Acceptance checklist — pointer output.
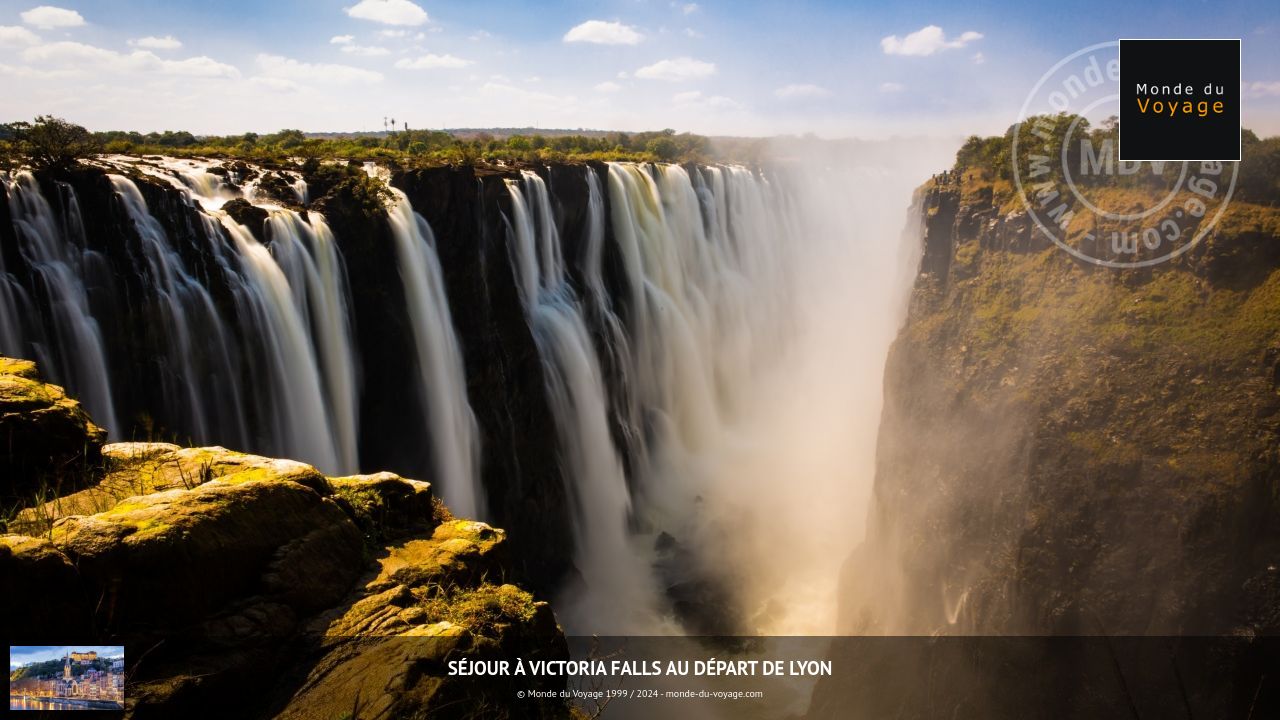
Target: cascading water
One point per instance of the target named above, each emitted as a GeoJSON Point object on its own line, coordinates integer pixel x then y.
{"type": "Point", "coordinates": [195, 380]}
{"type": "Point", "coordinates": [297, 297]}
{"type": "Point", "coordinates": [761, 307]}
{"type": "Point", "coordinates": [617, 591]}
{"type": "Point", "coordinates": [55, 252]}
{"type": "Point", "coordinates": [718, 385]}
{"type": "Point", "coordinates": [441, 381]}
{"type": "Point", "coordinates": [300, 421]}
{"type": "Point", "coordinates": [309, 258]}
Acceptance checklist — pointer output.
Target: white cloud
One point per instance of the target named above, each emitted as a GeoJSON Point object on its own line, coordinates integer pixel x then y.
{"type": "Point", "coordinates": [603, 32]}
{"type": "Point", "coordinates": [890, 88]}
{"type": "Point", "coordinates": [78, 56]}
{"type": "Point", "coordinates": [389, 12]}
{"type": "Point", "coordinates": [520, 96]}
{"type": "Point", "coordinates": [800, 91]}
{"type": "Point", "coordinates": [715, 102]}
{"type": "Point", "coordinates": [677, 70]}
{"type": "Point", "coordinates": [431, 61]}
{"type": "Point", "coordinates": [47, 17]}
{"type": "Point", "coordinates": [365, 50]}
{"type": "Point", "coordinates": [168, 42]}
{"type": "Point", "coordinates": [690, 32]}
{"type": "Point", "coordinates": [275, 83]}
{"type": "Point", "coordinates": [199, 66]}
{"type": "Point", "coordinates": [689, 8]}
{"type": "Point", "coordinates": [14, 35]}
{"type": "Point", "coordinates": [479, 35]}
{"type": "Point", "coordinates": [1259, 89]}
{"type": "Point", "coordinates": [926, 41]}
{"type": "Point", "coordinates": [608, 86]}
{"type": "Point", "coordinates": [979, 58]}
{"type": "Point", "coordinates": [278, 66]}
{"type": "Point", "coordinates": [341, 39]}
{"type": "Point", "coordinates": [393, 33]}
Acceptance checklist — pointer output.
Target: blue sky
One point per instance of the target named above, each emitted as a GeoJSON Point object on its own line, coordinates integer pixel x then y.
{"type": "Point", "coordinates": [861, 69]}
{"type": "Point", "coordinates": [25, 654]}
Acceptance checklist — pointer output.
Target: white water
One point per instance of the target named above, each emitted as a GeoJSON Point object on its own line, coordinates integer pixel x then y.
{"type": "Point", "coordinates": [617, 593]}
{"type": "Point", "coordinates": [748, 349]}
{"type": "Point", "coordinates": [309, 258]}
{"type": "Point", "coordinates": [441, 381]}
{"type": "Point", "coordinates": [297, 294]}
{"type": "Point", "coordinates": [300, 418]}
{"type": "Point", "coordinates": [55, 251]}
{"type": "Point", "coordinates": [762, 309]}
{"type": "Point", "coordinates": [187, 317]}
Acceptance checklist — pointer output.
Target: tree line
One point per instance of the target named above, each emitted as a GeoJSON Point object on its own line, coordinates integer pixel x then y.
{"type": "Point", "coordinates": [50, 142]}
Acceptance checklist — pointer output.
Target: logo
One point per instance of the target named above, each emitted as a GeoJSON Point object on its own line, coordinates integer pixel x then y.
{"type": "Point", "coordinates": [1098, 208]}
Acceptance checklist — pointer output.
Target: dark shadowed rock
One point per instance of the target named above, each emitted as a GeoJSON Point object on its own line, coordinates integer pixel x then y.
{"type": "Point", "coordinates": [43, 592]}
{"type": "Point", "coordinates": [48, 444]}
{"type": "Point", "coordinates": [252, 217]}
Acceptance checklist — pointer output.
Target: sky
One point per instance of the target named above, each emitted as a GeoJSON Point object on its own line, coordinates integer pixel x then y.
{"type": "Point", "coordinates": [20, 655]}
{"type": "Point", "coordinates": [837, 69]}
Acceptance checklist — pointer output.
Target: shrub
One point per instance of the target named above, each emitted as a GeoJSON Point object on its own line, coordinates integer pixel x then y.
{"type": "Point", "coordinates": [54, 143]}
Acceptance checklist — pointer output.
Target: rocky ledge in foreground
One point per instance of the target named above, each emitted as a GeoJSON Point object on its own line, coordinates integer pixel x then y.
{"type": "Point", "coordinates": [250, 587]}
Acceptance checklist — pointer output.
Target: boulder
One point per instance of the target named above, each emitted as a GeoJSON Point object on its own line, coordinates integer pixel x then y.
{"type": "Point", "coordinates": [47, 441]}
{"type": "Point", "coordinates": [256, 587]}
{"type": "Point", "coordinates": [252, 217]}
{"type": "Point", "coordinates": [46, 591]}
{"type": "Point", "coordinates": [187, 553]}
{"type": "Point", "coordinates": [386, 505]}
{"type": "Point", "coordinates": [139, 468]}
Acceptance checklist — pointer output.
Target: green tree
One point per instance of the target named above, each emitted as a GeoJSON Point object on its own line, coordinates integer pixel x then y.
{"type": "Point", "coordinates": [54, 143]}
{"type": "Point", "coordinates": [664, 148]}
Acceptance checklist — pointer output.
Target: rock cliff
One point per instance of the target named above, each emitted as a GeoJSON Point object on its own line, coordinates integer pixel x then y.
{"type": "Point", "coordinates": [246, 586]}
{"type": "Point", "coordinates": [1072, 451]}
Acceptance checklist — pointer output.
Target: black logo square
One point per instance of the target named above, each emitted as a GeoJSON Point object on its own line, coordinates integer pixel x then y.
{"type": "Point", "coordinates": [1179, 100]}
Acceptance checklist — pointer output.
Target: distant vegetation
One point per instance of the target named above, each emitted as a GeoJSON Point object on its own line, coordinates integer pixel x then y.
{"type": "Point", "coordinates": [52, 142]}
{"type": "Point", "coordinates": [990, 159]}
{"type": "Point", "coordinates": [53, 668]}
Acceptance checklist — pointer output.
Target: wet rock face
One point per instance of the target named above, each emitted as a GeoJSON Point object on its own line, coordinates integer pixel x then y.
{"type": "Point", "coordinates": [48, 444]}
{"type": "Point", "coordinates": [505, 381]}
{"type": "Point", "coordinates": [252, 217]}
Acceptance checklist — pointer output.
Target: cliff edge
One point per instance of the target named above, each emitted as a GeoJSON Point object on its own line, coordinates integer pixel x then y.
{"type": "Point", "coordinates": [245, 586]}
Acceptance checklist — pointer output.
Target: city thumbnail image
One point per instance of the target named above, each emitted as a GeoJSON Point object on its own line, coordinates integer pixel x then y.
{"type": "Point", "coordinates": [62, 677]}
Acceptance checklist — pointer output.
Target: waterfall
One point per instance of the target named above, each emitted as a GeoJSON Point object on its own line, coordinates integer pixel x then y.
{"type": "Point", "coordinates": [309, 258]}
{"type": "Point", "coordinates": [298, 407]}
{"type": "Point", "coordinates": [296, 297]}
{"type": "Point", "coordinates": [712, 347]}
{"type": "Point", "coordinates": [617, 592]}
{"type": "Point", "coordinates": [56, 253]}
{"type": "Point", "coordinates": [441, 381]}
{"type": "Point", "coordinates": [198, 374]}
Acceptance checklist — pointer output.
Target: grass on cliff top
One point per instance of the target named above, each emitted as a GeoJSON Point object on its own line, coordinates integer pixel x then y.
{"type": "Point", "coordinates": [1013, 298]}
{"type": "Point", "coordinates": [482, 610]}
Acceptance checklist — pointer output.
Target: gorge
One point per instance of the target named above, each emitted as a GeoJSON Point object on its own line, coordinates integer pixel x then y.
{"type": "Point", "coordinates": [664, 383]}
{"type": "Point", "coordinates": [584, 354]}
